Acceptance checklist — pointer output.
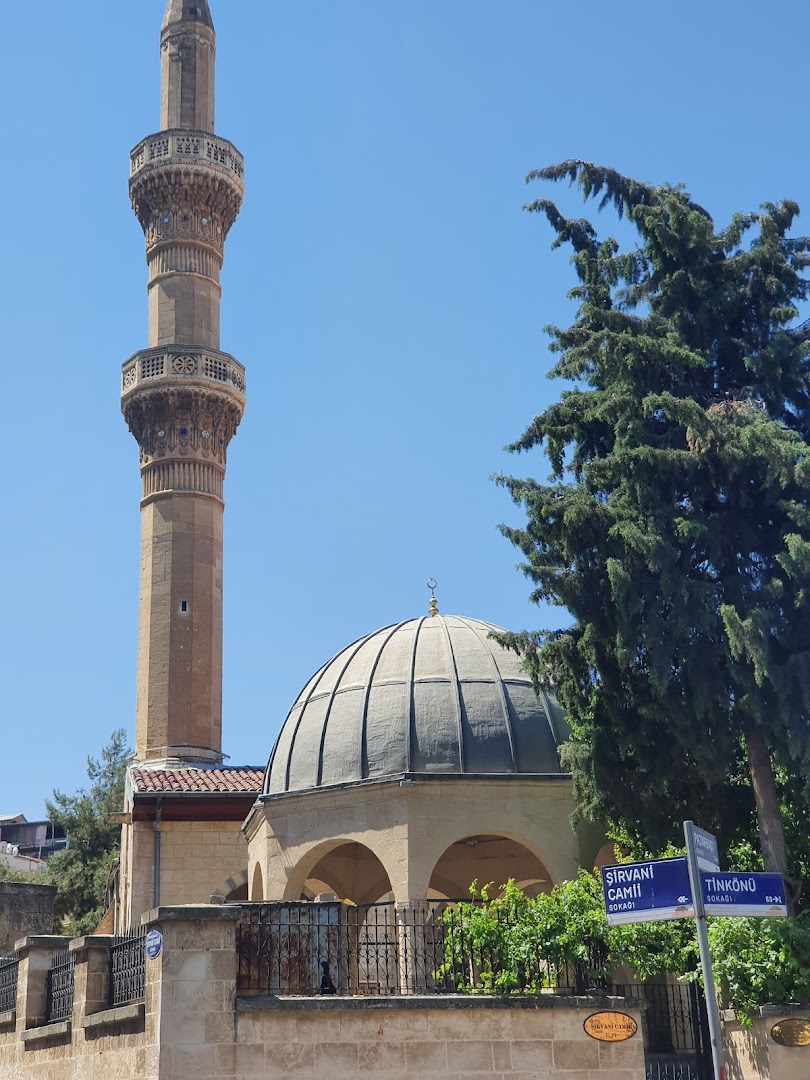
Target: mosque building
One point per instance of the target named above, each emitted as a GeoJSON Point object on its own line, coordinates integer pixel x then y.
{"type": "Point", "coordinates": [291, 920]}
{"type": "Point", "coordinates": [415, 761]}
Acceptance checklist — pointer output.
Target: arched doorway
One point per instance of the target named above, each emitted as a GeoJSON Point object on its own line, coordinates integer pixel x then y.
{"type": "Point", "coordinates": [486, 859]}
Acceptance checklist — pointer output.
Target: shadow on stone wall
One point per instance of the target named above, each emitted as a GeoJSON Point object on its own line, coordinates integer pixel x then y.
{"type": "Point", "coordinates": [24, 909]}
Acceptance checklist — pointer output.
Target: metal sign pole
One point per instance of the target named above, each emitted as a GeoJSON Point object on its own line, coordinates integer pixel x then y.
{"type": "Point", "coordinates": [705, 956]}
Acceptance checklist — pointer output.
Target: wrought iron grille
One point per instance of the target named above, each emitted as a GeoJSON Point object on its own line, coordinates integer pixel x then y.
{"type": "Point", "coordinates": [9, 968]}
{"type": "Point", "coordinates": [426, 948]}
{"type": "Point", "coordinates": [60, 986]}
{"type": "Point", "coordinates": [128, 967]}
{"type": "Point", "coordinates": [677, 1045]}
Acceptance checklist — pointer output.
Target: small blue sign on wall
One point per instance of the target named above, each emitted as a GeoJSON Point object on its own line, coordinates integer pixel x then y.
{"type": "Point", "coordinates": [647, 891]}
{"type": "Point", "coordinates": [154, 943]}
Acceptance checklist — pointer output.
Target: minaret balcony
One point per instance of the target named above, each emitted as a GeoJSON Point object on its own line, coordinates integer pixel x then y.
{"type": "Point", "coordinates": [183, 367]}
{"type": "Point", "coordinates": [183, 147]}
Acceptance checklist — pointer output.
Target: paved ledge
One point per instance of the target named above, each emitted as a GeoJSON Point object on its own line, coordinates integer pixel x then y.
{"type": "Point", "coordinates": [269, 1003]}
{"type": "Point", "coordinates": [187, 912]}
{"type": "Point", "coordinates": [123, 1014]}
{"type": "Point", "coordinates": [783, 1010]}
{"type": "Point", "coordinates": [7, 1019]}
{"type": "Point", "coordinates": [59, 1030]}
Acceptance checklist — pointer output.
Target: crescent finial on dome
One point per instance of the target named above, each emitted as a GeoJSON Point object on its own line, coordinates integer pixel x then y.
{"type": "Point", "coordinates": [434, 604]}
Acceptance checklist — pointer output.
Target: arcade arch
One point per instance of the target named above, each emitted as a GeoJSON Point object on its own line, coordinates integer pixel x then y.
{"type": "Point", "coordinates": [348, 870]}
{"type": "Point", "coordinates": [487, 858]}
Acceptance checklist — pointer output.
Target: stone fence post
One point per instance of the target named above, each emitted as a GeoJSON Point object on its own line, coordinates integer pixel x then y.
{"type": "Point", "coordinates": [91, 978]}
{"type": "Point", "coordinates": [32, 980]}
{"type": "Point", "coordinates": [191, 988]}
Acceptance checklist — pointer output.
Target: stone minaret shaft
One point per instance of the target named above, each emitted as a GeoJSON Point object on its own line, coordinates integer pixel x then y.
{"type": "Point", "coordinates": [183, 399]}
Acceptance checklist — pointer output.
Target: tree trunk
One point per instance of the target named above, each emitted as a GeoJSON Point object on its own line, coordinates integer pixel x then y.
{"type": "Point", "coordinates": [769, 815]}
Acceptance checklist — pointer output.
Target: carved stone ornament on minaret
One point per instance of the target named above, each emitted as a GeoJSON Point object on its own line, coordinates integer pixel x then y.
{"type": "Point", "coordinates": [183, 398]}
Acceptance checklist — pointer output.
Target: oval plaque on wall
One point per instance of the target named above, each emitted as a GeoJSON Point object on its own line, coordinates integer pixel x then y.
{"type": "Point", "coordinates": [610, 1026]}
{"type": "Point", "coordinates": [791, 1032]}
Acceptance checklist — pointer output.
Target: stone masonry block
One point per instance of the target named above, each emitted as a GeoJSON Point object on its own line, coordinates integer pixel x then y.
{"type": "Point", "coordinates": [532, 1055]}
{"type": "Point", "coordinates": [536, 1024]}
{"type": "Point", "coordinates": [407, 1026]}
{"type": "Point", "coordinates": [502, 1057]}
{"type": "Point", "coordinates": [291, 1059]}
{"type": "Point", "coordinates": [336, 1059]}
{"type": "Point", "coordinates": [576, 1054]}
{"type": "Point", "coordinates": [426, 1057]}
{"type": "Point", "coordinates": [320, 1028]}
{"type": "Point", "coordinates": [625, 1055]}
{"type": "Point", "coordinates": [619, 1074]}
{"type": "Point", "coordinates": [381, 1059]}
{"type": "Point", "coordinates": [470, 1055]}
{"type": "Point", "coordinates": [459, 1023]}
{"type": "Point", "coordinates": [251, 1061]}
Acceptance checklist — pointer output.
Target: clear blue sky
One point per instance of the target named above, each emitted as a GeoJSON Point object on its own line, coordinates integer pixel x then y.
{"type": "Point", "coordinates": [381, 285]}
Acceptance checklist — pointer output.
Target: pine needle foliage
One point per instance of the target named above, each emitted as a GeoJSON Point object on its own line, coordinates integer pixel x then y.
{"type": "Point", "coordinates": [82, 870]}
{"type": "Point", "coordinates": [674, 526]}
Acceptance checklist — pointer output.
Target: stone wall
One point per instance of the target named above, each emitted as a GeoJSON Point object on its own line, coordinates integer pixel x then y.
{"type": "Point", "coordinates": [24, 909]}
{"type": "Point", "coordinates": [752, 1054]}
{"type": "Point", "coordinates": [436, 1038]}
{"type": "Point", "coordinates": [95, 1043]}
{"type": "Point", "coordinates": [192, 1024]}
{"type": "Point", "coordinates": [196, 859]}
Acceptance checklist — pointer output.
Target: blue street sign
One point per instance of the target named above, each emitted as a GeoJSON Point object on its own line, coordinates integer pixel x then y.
{"type": "Point", "coordinates": [154, 943]}
{"type": "Point", "coordinates": [708, 856]}
{"type": "Point", "coordinates": [753, 895]}
{"type": "Point", "coordinates": [647, 891]}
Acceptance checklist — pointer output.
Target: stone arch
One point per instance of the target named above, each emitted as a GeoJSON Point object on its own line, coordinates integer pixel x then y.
{"type": "Point", "coordinates": [605, 856]}
{"type": "Point", "coordinates": [487, 857]}
{"type": "Point", "coordinates": [233, 890]}
{"type": "Point", "coordinates": [353, 870]}
{"type": "Point", "coordinates": [527, 817]}
{"type": "Point", "coordinates": [257, 884]}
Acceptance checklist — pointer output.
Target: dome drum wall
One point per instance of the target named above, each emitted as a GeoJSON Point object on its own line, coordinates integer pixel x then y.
{"type": "Point", "coordinates": [427, 696]}
{"type": "Point", "coordinates": [409, 828]}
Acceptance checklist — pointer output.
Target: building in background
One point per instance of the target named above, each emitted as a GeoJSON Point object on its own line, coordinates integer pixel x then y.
{"type": "Point", "coordinates": [35, 840]}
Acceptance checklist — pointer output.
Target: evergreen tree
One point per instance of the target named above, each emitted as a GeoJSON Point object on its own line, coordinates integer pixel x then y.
{"type": "Point", "coordinates": [675, 524]}
{"type": "Point", "coordinates": [81, 871]}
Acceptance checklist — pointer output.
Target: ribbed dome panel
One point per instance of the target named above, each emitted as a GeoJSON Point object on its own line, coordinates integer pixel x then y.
{"type": "Point", "coordinates": [424, 696]}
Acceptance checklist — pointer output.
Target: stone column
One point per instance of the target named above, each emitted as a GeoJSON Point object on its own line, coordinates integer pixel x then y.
{"type": "Point", "coordinates": [414, 959]}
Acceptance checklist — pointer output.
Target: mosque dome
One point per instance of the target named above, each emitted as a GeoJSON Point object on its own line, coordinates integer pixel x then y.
{"type": "Point", "coordinates": [430, 696]}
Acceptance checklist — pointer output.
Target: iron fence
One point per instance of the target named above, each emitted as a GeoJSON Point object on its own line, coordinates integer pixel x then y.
{"type": "Point", "coordinates": [60, 986]}
{"type": "Point", "coordinates": [427, 948]}
{"type": "Point", "coordinates": [9, 970]}
{"type": "Point", "coordinates": [677, 1045]}
{"type": "Point", "coordinates": [127, 967]}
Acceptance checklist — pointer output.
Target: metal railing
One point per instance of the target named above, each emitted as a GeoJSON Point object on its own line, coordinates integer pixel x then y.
{"type": "Point", "coordinates": [677, 1045]}
{"type": "Point", "coordinates": [9, 970]}
{"type": "Point", "coordinates": [127, 967]}
{"type": "Point", "coordinates": [60, 986]}
{"type": "Point", "coordinates": [425, 948]}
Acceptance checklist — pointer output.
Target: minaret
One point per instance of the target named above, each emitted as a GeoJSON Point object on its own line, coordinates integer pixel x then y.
{"type": "Point", "coordinates": [183, 399]}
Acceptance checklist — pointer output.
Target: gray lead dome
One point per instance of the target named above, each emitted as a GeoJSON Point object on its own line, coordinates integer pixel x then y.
{"type": "Point", "coordinates": [430, 696]}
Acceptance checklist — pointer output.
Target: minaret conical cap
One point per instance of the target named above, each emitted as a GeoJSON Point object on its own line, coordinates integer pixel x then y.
{"type": "Point", "coordinates": [187, 11]}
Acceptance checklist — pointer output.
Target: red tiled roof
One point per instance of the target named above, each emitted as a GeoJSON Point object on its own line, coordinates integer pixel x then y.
{"type": "Point", "coordinates": [239, 779]}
